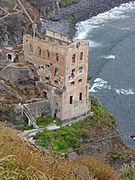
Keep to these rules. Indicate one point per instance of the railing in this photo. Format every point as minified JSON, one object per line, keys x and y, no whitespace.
{"x":30,"y":117}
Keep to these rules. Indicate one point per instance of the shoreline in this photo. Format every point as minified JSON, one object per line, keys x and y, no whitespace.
{"x":84,"y":10}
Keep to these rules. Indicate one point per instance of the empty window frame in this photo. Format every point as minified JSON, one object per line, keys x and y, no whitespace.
{"x":9,"y":56}
{"x":80,"y":96}
{"x":72,"y":83}
{"x":80,"y":80}
{"x":39,"y":51}
{"x":73,"y":58}
{"x":55,"y":71}
{"x":31,"y":48}
{"x":81,"y":56}
{"x":48,"y":54}
{"x":80,"y":69}
{"x":71,"y":100}
{"x":57,"y":57}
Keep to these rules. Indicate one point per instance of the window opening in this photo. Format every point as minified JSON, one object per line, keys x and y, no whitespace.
{"x":80,"y":69}
{"x":73,"y":58}
{"x":80,"y":80}
{"x":71,"y":99}
{"x":72,"y":83}
{"x":57,"y":57}
{"x":48,"y":54}
{"x":81,"y":56}
{"x":9,"y":57}
{"x":39,"y":51}
{"x":55,"y":71}
{"x":31,"y":48}
{"x":80,"y":96}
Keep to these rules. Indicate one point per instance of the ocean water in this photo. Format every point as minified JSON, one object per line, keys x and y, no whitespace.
{"x":111,"y":37}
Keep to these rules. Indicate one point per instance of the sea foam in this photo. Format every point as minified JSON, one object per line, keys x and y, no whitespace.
{"x":84,"y":27}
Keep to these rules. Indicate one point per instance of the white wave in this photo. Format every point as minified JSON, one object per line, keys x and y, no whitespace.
{"x":125,"y":91}
{"x":110,"y":57}
{"x":94,"y":44}
{"x":118,"y":12}
{"x":99,"y":84}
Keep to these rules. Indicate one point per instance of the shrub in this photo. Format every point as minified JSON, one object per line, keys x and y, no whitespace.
{"x":65,"y":3}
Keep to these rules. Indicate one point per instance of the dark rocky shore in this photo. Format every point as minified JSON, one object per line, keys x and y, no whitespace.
{"x":85,"y":9}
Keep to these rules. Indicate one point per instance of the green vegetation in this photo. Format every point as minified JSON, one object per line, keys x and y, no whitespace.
{"x":65,"y":3}
{"x":89,"y":77}
{"x":69,"y":136}
{"x":20,"y":161}
{"x":24,"y":126}
{"x":43,"y":121}
{"x":119,"y":155}
{"x":128,"y":171}
{"x":63,"y":139}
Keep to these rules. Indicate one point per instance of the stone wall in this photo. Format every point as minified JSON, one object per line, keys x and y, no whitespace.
{"x":15,"y":74}
{"x":15,"y":113}
{"x":40,"y":107}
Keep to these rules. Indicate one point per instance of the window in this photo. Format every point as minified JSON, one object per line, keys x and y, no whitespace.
{"x":71,"y":99}
{"x":80,"y":96}
{"x":80,"y":80}
{"x":31,"y":48}
{"x":56,"y":82}
{"x":81,"y":56}
{"x":73,"y":82}
{"x":73,"y":58}
{"x":57,"y":57}
{"x":39,"y":51}
{"x":48,"y":54}
{"x":73,"y":73}
{"x":55,"y":71}
{"x":80,"y":69}
{"x":9,"y":56}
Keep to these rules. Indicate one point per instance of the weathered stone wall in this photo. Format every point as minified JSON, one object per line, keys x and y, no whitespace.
{"x":15,"y":113}
{"x":9,"y":90}
{"x":15,"y":74}
{"x":40,"y":107}
{"x":54,"y":95}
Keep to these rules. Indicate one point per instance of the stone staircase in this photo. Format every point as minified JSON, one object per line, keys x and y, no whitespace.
{"x":30,"y":117}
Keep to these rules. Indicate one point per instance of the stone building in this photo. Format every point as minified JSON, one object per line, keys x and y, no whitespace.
{"x":62,"y":66}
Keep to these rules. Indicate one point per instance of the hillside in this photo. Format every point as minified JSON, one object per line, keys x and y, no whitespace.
{"x":20,"y":160}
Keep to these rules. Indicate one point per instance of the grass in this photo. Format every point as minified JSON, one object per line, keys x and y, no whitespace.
{"x":20,"y":160}
{"x":65,"y":3}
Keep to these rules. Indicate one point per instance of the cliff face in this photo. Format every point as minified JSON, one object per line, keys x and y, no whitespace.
{"x":14,"y":23}
{"x":47,"y":8}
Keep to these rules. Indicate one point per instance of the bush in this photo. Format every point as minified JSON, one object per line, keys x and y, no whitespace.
{"x":62,"y":139}
{"x":128,"y":171}
{"x":43,"y":121}
{"x":65,"y":3}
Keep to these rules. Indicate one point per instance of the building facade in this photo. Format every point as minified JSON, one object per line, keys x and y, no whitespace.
{"x":62,"y":66}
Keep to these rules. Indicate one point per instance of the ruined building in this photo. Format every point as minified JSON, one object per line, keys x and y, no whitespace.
{"x":62,"y":67}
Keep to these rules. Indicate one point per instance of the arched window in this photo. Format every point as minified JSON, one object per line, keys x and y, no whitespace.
{"x":31,"y":48}
{"x":73,"y":58}
{"x":39,"y":51}
{"x":81,"y":56}
{"x":48,"y":54}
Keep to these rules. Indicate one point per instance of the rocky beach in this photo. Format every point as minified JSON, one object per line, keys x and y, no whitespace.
{"x":75,"y":13}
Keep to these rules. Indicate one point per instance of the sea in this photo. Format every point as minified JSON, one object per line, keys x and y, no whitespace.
{"x":111,"y":37}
